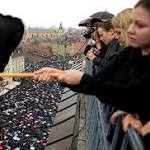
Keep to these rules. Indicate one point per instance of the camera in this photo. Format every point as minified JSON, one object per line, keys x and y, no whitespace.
{"x":90,"y":47}
{"x":87,"y":48}
{"x":95,"y":51}
{"x":88,"y":34}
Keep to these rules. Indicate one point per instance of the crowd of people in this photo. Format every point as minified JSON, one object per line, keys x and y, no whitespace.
{"x":28,"y":111}
{"x":119,"y":47}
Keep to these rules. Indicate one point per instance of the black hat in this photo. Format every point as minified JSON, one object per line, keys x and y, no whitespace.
{"x":11,"y":32}
{"x":89,"y":21}
{"x":103,"y":15}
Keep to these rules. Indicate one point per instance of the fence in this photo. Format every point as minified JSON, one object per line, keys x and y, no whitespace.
{"x":101,"y":134}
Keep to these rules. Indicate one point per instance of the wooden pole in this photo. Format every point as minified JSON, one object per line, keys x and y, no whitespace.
{"x":25,"y":75}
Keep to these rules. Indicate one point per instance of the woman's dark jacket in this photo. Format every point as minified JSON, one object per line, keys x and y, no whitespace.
{"x":107,"y":53}
{"x":124,"y":83}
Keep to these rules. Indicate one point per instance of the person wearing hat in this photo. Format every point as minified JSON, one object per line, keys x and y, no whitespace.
{"x":111,"y":48}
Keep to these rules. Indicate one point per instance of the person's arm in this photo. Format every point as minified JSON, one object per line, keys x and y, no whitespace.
{"x":126,"y":96}
{"x":130,"y":97}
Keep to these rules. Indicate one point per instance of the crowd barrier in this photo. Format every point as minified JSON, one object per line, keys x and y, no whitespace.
{"x":100,"y":133}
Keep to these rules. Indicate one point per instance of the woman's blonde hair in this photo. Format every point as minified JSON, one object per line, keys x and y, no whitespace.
{"x":122,"y":22}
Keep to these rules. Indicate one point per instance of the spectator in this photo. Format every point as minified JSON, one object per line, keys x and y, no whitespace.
{"x":121,"y":23}
{"x":11,"y":32}
{"x":111,"y":48}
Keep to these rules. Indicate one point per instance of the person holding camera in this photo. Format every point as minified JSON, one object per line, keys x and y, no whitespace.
{"x":107,"y":52}
{"x":95,"y":45}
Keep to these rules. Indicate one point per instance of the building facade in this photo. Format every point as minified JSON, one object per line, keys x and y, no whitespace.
{"x":16,"y":64}
{"x":43,"y":33}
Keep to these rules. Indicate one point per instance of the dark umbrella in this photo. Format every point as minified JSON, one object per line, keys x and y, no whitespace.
{"x":84,"y":22}
{"x":89,"y":21}
{"x":11,"y":32}
{"x":103,"y":15}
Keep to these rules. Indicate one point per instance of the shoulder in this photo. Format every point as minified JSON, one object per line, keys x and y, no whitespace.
{"x":127,"y":51}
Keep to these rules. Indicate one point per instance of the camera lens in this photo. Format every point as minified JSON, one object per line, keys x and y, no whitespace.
{"x":87,"y":34}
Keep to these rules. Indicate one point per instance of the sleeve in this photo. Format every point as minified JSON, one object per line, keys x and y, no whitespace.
{"x":97,"y":61}
{"x":146,"y":140}
{"x":89,"y":80}
{"x":121,"y":95}
{"x":132,"y":97}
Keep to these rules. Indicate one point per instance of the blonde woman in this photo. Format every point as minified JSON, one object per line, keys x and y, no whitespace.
{"x":121,"y":23}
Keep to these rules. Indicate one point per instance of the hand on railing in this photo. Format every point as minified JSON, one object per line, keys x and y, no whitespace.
{"x":145,"y":129}
{"x":116,"y":115}
{"x":132,"y":120}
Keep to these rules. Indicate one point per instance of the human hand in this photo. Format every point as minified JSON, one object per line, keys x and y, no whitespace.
{"x":115,"y":116}
{"x":46,"y":74}
{"x":133,"y":121}
{"x":96,"y":51}
{"x":71,"y":77}
{"x":90,"y":55}
{"x":145,"y":129}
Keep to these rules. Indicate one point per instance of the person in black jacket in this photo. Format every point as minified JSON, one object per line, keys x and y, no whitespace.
{"x":124,"y":82}
{"x":111,"y":48}
{"x":11,"y":32}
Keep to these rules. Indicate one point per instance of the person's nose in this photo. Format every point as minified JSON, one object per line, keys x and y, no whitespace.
{"x":131,"y":29}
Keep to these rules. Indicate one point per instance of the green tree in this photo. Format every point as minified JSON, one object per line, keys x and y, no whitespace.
{"x":36,"y":42}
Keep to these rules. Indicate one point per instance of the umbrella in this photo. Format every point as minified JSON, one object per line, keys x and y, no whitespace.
{"x":103,"y":15}
{"x":11,"y":32}
{"x":84,"y":22}
{"x":89,"y":21}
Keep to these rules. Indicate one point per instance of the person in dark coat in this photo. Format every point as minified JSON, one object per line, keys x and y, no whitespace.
{"x":11,"y":32}
{"x":107,"y":52}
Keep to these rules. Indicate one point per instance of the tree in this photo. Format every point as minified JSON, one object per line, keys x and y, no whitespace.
{"x":36,"y":42}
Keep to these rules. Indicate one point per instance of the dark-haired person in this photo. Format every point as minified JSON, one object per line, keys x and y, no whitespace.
{"x":125,"y":82}
{"x":111,"y":48}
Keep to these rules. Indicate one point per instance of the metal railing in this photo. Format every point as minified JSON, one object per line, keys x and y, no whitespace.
{"x":101,"y":134}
